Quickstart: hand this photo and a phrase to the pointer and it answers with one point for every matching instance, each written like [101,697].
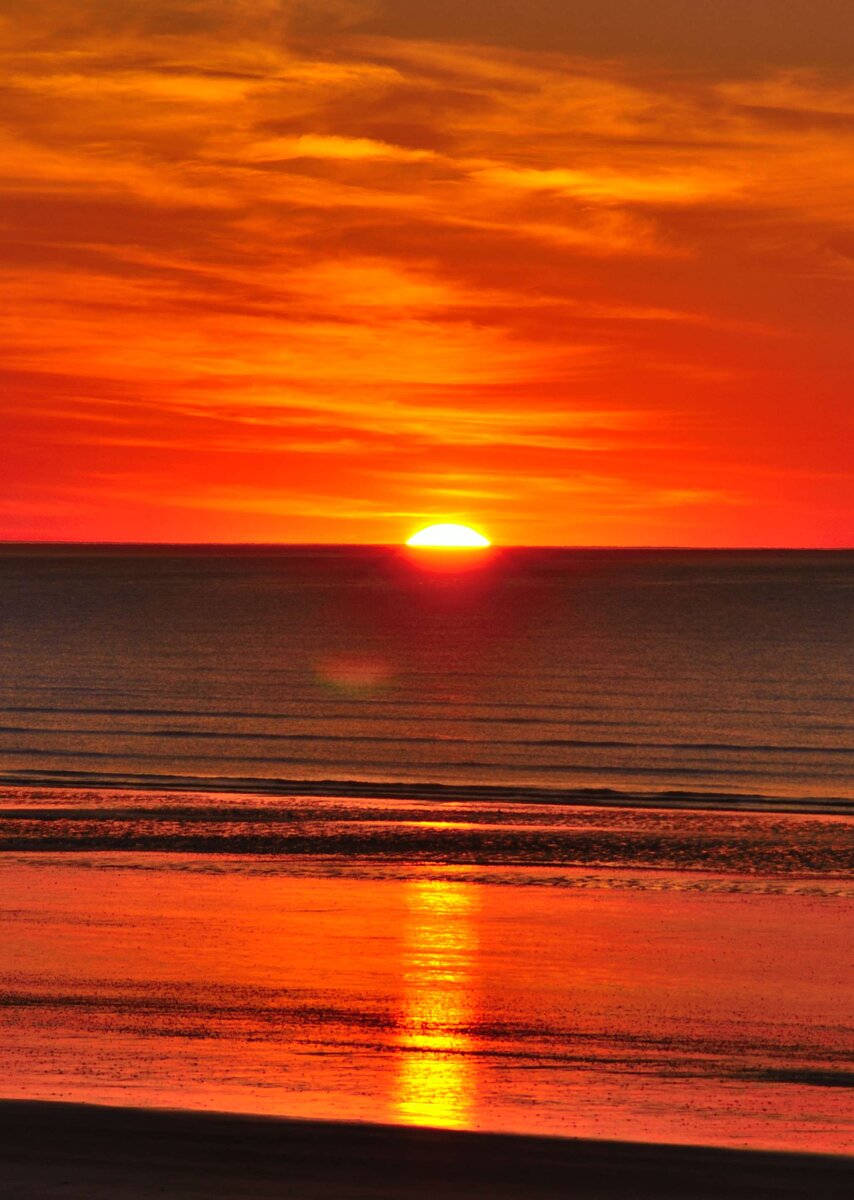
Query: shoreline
[352,789]
[50,1150]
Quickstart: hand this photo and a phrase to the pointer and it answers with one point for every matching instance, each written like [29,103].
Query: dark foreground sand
[79,1152]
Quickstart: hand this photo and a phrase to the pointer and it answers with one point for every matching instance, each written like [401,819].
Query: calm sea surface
[636,672]
[562,844]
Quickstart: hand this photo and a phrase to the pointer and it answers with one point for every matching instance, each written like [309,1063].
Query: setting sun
[449,537]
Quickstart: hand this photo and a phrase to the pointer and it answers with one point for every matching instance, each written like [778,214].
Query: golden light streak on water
[437,1082]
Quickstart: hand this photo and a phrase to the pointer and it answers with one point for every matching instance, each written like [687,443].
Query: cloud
[259,238]
[611,188]
[702,35]
[312,145]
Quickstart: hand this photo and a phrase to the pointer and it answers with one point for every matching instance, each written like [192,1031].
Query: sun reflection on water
[436,1080]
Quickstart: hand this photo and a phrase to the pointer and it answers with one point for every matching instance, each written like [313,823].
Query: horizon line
[6,543]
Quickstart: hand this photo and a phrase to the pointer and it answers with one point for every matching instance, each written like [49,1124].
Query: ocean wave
[432,826]
[453,739]
[408,789]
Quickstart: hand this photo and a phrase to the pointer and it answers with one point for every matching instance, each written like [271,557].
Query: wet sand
[72,1152]
[651,1007]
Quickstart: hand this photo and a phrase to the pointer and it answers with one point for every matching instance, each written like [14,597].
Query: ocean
[561,843]
[609,674]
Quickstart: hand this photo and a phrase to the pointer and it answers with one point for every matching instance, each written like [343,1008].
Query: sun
[449,537]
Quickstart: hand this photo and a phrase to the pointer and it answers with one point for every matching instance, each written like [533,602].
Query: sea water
[561,843]
[623,672]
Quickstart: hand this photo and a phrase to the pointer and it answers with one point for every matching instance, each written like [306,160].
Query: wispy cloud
[268,251]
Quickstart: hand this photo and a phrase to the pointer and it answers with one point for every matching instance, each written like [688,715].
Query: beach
[627,975]
[72,1152]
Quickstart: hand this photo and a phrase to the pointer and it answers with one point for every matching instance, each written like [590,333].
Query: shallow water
[779,851]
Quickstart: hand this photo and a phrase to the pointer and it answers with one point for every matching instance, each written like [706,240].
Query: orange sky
[325,270]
